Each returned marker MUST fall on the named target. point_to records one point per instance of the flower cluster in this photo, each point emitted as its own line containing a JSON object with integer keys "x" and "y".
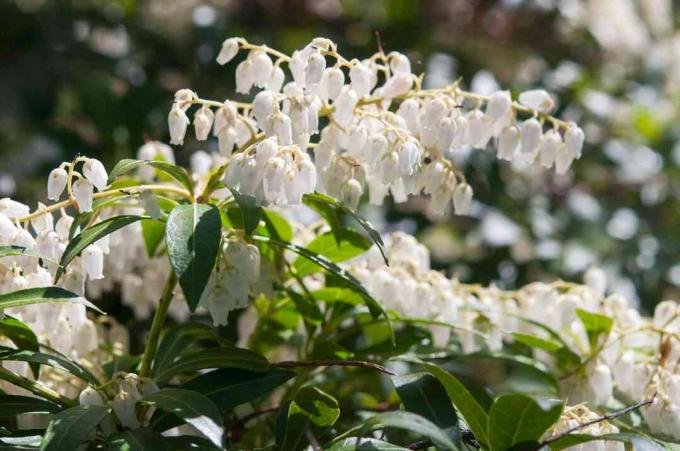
{"x": 378, "y": 130}
{"x": 579, "y": 415}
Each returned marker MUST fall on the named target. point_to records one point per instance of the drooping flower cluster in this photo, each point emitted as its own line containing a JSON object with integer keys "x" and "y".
{"x": 578, "y": 415}
{"x": 638, "y": 358}
{"x": 378, "y": 130}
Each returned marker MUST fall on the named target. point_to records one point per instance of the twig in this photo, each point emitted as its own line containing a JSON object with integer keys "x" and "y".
{"x": 607, "y": 417}
{"x": 317, "y": 363}
{"x": 314, "y": 443}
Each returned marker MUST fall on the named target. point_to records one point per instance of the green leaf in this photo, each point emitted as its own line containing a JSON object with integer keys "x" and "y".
{"x": 364, "y": 444}
{"x": 42, "y": 295}
{"x": 424, "y": 395}
{"x": 11, "y": 405}
{"x": 54, "y": 361}
{"x": 595, "y": 325}
{"x": 336, "y": 246}
{"x": 71, "y": 427}
{"x": 310, "y": 408}
{"x": 191, "y": 443}
{"x": 193, "y": 234}
{"x": 337, "y": 294}
{"x": 214, "y": 358}
{"x": 142, "y": 439}
{"x": 177, "y": 339}
{"x": 374, "y": 306}
{"x": 277, "y": 226}
{"x": 127, "y": 363}
{"x": 516, "y": 418}
{"x": 193, "y": 407}
{"x": 229, "y": 388}
{"x": 475, "y": 416}
{"x": 566, "y": 358}
{"x": 153, "y": 233}
{"x": 91, "y": 235}
{"x": 13, "y": 251}
{"x": 638, "y": 442}
{"x": 402, "y": 420}
{"x": 251, "y": 212}
{"x": 22, "y": 336}
{"x": 327, "y": 207}
{"x": 177, "y": 172}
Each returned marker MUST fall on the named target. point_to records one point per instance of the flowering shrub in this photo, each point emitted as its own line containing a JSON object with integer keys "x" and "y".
{"x": 345, "y": 339}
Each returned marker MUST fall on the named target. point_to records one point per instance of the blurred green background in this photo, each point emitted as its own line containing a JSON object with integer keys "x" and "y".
{"x": 97, "y": 78}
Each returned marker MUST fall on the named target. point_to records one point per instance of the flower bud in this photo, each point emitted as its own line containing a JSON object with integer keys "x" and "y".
{"x": 43, "y": 222}
{"x": 244, "y": 77}
{"x": 283, "y": 128}
{"x": 203, "y": 121}
{"x": 225, "y": 116}
{"x": 226, "y": 140}
{"x": 462, "y": 199}
{"x": 399, "y": 63}
{"x": 124, "y": 407}
{"x": 94, "y": 171}
{"x": 550, "y": 146}
{"x": 273, "y": 180}
{"x": 265, "y": 150}
{"x": 297, "y": 65}
{"x": 276, "y": 79}
{"x": 408, "y": 110}
{"x": 499, "y": 104}
{"x": 63, "y": 226}
{"x": 93, "y": 262}
{"x": 350, "y": 193}
{"x": 13, "y": 209}
{"x": 184, "y": 98}
{"x": 7, "y": 229}
{"x": 262, "y": 67}
{"x": 563, "y": 161}
{"x": 177, "y": 123}
{"x": 83, "y": 192}
{"x": 389, "y": 168}
{"x": 344, "y": 105}
{"x": 264, "y": 105}
{"x": 90, "y": 397}
{"x": 573, "y": 140}
{"x": 56, "y": 183}
{"x": 537, "y": 99}
{"x": 360, "y": 77}
{"x": 228, "y": 51}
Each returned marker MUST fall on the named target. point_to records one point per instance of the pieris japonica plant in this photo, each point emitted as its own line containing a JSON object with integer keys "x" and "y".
{"x": 267, "y": 329}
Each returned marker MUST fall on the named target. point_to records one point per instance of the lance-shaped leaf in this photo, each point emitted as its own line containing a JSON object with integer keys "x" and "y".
{"x": 214, "y": 358}
{"x": 337, "y": 246}
{"x": 54, "y": 361}
{"x": 91, "y": 235}
{"x": 251, "y": 212}
{"x": 177, "y": 339}
{"x": 11, "y": 405}
{"x": 311, "y": 408}
{"x": 636, "y": 442}
{"x": 193, "y": 234}
{"x": 517, "y": 418}
{"x": 364, "y": 444}
{"x": 421, "y": 393}
{"x": 153, "y": 233}
{"x": 22, "y": 336}
{"x": 176, "y": 172}
{"x": 42, "y": 295}
{"x": 142, "y": 439}
{"x": 192, "y": 407}
{"x": 595, "y": 325}
{"x": 70, "y": 428}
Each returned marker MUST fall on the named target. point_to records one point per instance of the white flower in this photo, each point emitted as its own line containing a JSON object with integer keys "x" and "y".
{"x": 225, "y": 116}
{"x": 184, "y": 98}
{"x": 276, "y": 80}
{"x": 244, "y": 77}
{"x": 264, "y": 105}
{"x": 508, "y": 141}
{"x": 283, "y": 128}
{"x": 316, "y": 64}
{"x": 90, "y": 397}
{"x": 344, "y": 105}
{"x": 13, "y": 209}
{"x": 203, "y": 121}
{"x": 397, "y": 85}
{"x": 226, "y": 140}
{"x": 177, "y": 123}
{"x": 399, "y": 63}
{"x": 83, "y": 192}
{"x": 462, "y": 198}
{"x": 94, "y": 171}
{"x": 498, "y": 105}
{"x": 124, "y": 406}
{"x": 7, "y": 229}
{"x": 56, "y": 183}
{"x": 43, "y": 222}
{"x": 350, "y": 193}
{"x": 228, "y": 51}
{"x": 93, "y": 262}
{"x": 261, "y": 69}
{"x": 573, "y": 140}
{"x": 537, "y": 99}
{"x": 360, "y": 77}
{"x": 530, "y": 133}
{"x": 201, "y": 162}
{"x": 332, "y": 81}
{"x": 550, "y": 148}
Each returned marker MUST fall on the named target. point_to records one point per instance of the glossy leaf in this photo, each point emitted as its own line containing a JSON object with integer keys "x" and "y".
{"x": 54, "y": 361}
{"x": 516, "y": 418}
{"x": 42, "y": 295}
{"x": 214, "y": 358}
{"x": 424, "y": 395}
{"x": 22, "y": 336}
{"x": 277, "y": 226}
{"x": 176, "y": 340}
{"x": 251, "y": 212}
{"x": 91, "y": 235}
{"x": 637, "y": 442}
{"x": 11, "y": 405}
{"x": 337, "y": 247}
{"x": 473, "y": 413}
{"x": 566, "y": 358}
{"x": 193, "y": 234}
{"x": 70, "y": 428}
{"x": 595, "y": 325}
{"x": 192, "y": 407}
{"x": 403, "y": 420}
{"x": 153, "y": 233}
{"x": 177, "y": 172}
{"x": 364, "y": 444}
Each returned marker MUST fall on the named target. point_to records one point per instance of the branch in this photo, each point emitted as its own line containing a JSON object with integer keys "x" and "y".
{"x": 607, "y": 417}
{"x": 318, "y": 363}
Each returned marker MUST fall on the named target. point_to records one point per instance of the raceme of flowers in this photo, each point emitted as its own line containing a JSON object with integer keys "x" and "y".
{"x": 369, "y": 124}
